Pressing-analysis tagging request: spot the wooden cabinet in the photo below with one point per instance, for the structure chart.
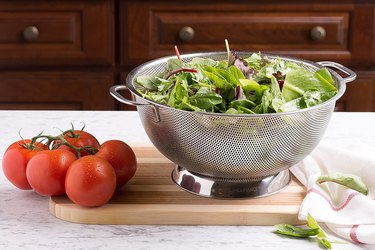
(56, 33)
(56, 54)
(56, 90)
(339, 31)
(45, 44)
(282, 29)
(360, 94)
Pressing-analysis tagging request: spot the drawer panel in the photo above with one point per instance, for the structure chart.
(50, 90)
(267, 30)
(56, 33)
(314, 32)
(51, 30)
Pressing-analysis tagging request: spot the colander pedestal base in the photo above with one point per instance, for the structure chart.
(230, 188)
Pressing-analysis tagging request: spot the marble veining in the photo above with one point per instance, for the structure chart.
(25, 222)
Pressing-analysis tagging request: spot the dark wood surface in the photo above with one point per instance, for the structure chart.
(282, 29)
(60, 90)
(70, 33)
(108, 38)
(360, 94)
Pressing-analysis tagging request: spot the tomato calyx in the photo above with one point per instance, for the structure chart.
(31, 145)
(62, 141)
(71, 133)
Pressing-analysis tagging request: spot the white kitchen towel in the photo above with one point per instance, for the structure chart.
(346, 212)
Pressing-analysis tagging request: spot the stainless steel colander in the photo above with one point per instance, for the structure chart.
(225, 155)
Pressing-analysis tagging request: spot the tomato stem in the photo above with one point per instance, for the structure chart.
(62, 141)
(71, 132)
(28, 145)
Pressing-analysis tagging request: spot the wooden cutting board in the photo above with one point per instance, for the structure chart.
(151, 197)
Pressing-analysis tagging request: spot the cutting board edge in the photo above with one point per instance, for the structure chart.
(151, 198)
(154, 214)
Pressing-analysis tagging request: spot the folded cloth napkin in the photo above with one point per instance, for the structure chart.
(346, 212)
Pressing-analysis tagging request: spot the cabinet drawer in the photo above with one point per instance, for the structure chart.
(64, 90)
(56, 33)
(155, 28)
(265, 31)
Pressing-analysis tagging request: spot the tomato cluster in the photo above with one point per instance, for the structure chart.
(73, 163)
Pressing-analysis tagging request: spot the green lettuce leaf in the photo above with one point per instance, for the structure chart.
(201, 62)
(203, 84)
(205, 99)
(173, 64)
(290, 230)
(348, 180)
(293, 105)
(184, 105)
(148, 82)
(297, 82)
(252, 89)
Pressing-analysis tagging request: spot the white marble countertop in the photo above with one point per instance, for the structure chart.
(25, 222)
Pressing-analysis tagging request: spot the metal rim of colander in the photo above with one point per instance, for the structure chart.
(130, 82)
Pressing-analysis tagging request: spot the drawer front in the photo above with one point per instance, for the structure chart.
(36, 29)
(284, 31)
(317, 35)
(56, 33)
(52, 90)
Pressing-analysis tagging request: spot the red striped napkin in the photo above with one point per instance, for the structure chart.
(346, 212)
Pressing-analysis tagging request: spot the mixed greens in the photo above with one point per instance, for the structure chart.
(253, 85)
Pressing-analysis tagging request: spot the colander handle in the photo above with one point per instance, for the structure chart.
(351, 74)
(114, 92)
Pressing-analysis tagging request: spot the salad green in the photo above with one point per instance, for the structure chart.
(348, 180)
(253, 85)
(314, 231)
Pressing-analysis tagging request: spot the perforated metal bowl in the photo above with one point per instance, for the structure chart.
(226, 155)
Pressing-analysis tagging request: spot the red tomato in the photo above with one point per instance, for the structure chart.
(122, 158)
(46, 171)
(79, 138)
(15, 161)
(90, 181)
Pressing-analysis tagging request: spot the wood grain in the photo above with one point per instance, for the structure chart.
(78, 33)
(74, 90)
(115, 36)
(152, 198)
(280, 28)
